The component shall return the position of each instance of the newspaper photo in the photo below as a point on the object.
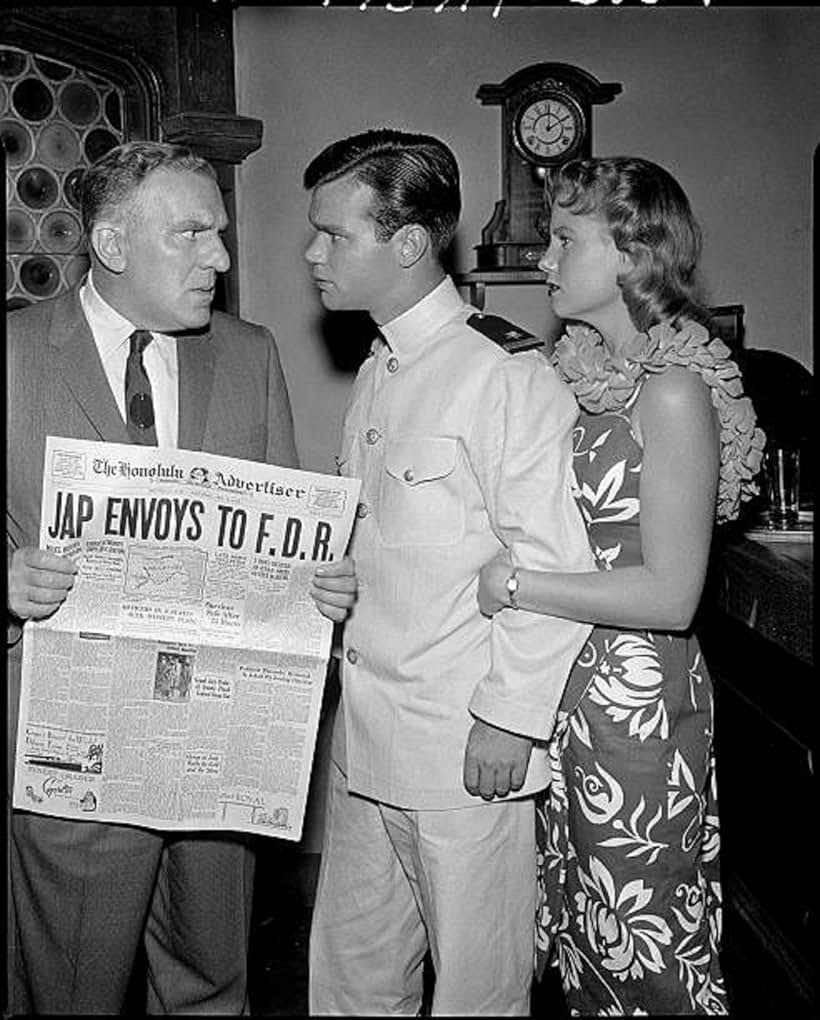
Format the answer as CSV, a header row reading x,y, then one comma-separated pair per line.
x,y
180,683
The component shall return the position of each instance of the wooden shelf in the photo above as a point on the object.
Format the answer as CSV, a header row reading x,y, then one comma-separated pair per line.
x,y
477,280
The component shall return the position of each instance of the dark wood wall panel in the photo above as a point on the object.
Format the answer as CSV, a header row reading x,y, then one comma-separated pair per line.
x,y
176,65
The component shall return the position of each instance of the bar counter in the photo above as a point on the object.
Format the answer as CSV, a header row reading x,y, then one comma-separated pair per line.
x,y
767,586
756,628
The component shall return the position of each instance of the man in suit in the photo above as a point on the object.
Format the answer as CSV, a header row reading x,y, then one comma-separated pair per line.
x,y
83,894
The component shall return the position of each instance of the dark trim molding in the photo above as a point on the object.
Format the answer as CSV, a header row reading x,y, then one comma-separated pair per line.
x,y
96,54
223,137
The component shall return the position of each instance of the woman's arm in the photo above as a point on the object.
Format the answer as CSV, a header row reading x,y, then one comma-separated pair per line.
x,y
679,429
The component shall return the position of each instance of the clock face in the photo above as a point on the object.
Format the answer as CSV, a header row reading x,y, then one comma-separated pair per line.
x,y
548,128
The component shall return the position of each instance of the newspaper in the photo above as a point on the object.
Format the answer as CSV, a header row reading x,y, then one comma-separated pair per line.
x,y
179,685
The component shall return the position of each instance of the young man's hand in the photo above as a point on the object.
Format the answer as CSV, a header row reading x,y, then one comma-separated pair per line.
x,y
495,761
334,589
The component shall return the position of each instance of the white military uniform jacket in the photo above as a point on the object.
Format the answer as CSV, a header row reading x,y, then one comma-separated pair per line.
x,y
462,448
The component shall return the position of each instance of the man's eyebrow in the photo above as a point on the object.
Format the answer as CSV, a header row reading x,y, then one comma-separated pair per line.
x,y
200,223
188,223
328,228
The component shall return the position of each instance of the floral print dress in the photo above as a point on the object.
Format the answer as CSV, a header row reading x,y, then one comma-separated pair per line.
x,y
628,837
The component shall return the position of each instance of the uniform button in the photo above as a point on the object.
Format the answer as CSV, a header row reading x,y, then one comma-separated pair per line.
x,y
362,510
372,436
408,475
392,365
352,656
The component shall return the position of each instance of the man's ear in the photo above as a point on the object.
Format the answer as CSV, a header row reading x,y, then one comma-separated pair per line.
x,y
413,242
108,242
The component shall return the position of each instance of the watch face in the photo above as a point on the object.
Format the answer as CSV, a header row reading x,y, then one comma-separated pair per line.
x,y
548,128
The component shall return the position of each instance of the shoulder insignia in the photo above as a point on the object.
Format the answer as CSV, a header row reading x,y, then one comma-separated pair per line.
x,y
506,334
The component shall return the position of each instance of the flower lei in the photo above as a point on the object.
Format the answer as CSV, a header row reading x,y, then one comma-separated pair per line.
x,y
602,381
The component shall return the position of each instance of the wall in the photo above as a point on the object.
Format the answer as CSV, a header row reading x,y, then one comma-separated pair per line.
x,y
729,99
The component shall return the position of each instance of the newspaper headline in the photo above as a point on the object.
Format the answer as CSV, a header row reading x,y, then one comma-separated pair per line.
x,y
179,685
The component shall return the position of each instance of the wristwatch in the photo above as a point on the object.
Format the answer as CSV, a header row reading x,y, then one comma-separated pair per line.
x,y
512,588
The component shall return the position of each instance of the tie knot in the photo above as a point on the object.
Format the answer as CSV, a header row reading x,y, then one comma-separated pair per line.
x,y
140,339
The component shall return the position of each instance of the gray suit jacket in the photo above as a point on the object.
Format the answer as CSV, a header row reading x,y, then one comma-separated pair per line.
x,y
232,400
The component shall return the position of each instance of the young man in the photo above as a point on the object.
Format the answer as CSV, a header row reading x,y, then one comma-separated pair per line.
x,y
83,894
462,449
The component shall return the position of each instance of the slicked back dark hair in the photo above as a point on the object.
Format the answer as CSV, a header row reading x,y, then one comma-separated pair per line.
x,y
414,179
649,217
110,184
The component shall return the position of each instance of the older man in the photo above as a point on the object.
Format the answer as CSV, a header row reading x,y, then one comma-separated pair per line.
x,y
134,354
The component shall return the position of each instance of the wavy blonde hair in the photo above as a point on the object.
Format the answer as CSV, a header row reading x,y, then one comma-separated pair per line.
x,y
650,219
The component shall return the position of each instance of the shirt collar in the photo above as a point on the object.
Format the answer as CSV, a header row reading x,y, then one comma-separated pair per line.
x,y
414,329
110,329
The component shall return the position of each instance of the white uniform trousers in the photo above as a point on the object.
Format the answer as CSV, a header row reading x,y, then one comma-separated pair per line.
x,y
393,882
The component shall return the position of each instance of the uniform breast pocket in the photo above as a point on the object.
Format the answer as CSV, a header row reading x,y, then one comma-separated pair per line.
x,y
421,502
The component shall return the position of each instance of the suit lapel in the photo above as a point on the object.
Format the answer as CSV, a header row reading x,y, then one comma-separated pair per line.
x,y
78,363
195,356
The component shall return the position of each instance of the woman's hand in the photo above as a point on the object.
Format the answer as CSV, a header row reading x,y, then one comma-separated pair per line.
x,y
334,588
492,583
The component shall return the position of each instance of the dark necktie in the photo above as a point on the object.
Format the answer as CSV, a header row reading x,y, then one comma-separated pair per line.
x,y
139,405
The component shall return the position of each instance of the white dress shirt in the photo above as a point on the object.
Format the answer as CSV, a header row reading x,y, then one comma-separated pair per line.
x,y
462,449
112,332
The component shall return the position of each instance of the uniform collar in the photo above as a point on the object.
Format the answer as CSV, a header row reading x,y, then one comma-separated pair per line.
x,y
413,330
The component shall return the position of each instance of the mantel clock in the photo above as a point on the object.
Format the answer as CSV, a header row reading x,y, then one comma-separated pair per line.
x,y
546,121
